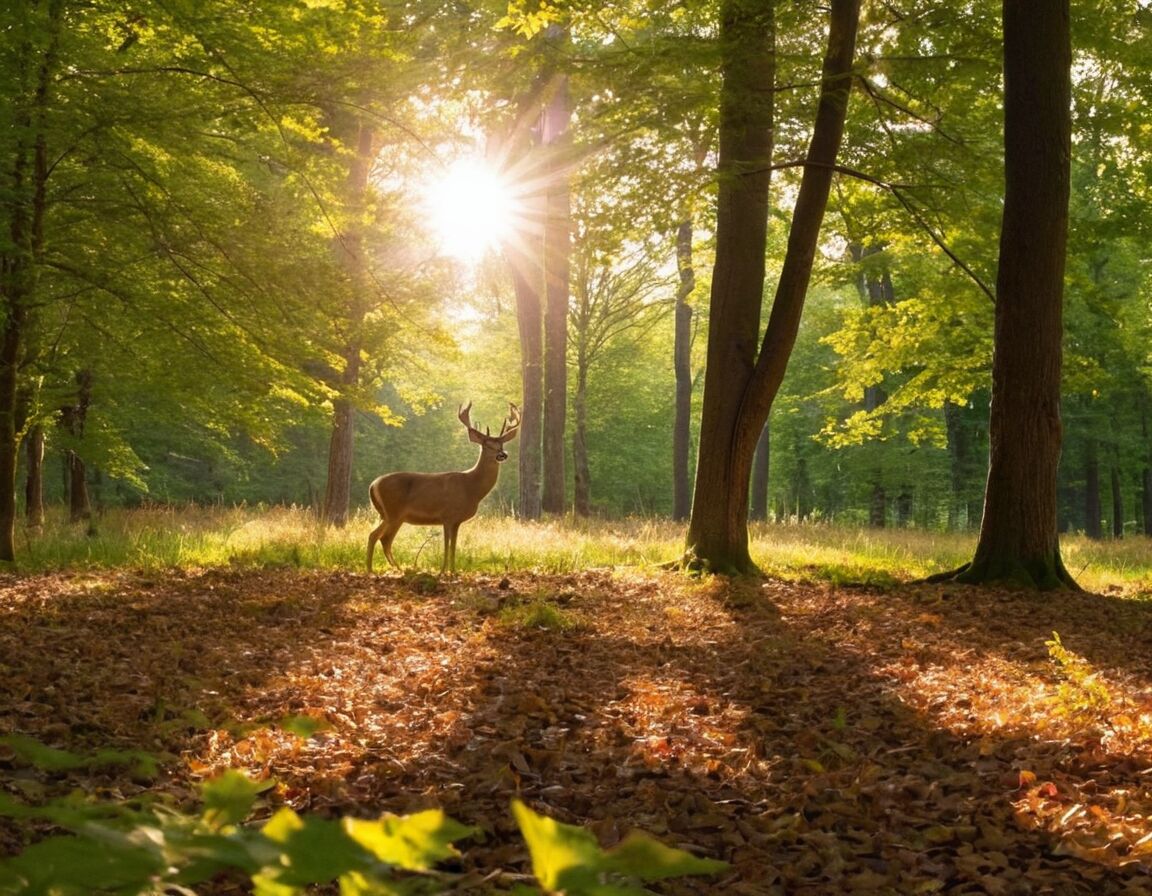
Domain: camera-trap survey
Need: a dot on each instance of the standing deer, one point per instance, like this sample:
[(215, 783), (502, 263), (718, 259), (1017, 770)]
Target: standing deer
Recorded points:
[(440, 499)]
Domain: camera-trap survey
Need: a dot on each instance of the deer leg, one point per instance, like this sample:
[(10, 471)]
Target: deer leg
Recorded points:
[(450, 530), (387, 531), (373, 538)]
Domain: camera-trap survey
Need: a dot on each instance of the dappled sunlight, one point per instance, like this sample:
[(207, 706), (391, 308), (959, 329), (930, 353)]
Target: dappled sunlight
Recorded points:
[(824, 737)]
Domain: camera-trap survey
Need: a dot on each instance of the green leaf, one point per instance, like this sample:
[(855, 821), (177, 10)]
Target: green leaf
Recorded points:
[(104, 860), (412, 842), (43, 757), (642, 856), (303, 726), (564, 857), (229, 798), (314, 850)]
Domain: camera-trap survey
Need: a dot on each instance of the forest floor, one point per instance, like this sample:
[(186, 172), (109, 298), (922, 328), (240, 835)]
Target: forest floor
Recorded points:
[(821, 739)]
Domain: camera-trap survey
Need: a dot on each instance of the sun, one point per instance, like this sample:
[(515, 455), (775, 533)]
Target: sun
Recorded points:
[(471, 209)]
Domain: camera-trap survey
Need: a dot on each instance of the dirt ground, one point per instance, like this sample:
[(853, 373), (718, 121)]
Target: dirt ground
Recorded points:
[(923, 739)]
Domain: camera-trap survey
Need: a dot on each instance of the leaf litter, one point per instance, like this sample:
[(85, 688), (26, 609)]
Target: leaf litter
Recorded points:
[(917, 739)]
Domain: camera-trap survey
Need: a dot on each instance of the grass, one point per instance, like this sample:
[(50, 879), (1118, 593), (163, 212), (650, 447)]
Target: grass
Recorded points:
[(163, 537)]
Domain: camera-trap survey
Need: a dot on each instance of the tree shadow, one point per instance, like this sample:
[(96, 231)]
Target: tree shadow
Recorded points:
[(761, 725), (765, 743)]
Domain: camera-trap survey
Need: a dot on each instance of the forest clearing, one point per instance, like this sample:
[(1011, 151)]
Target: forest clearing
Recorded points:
[(769, 330), (818, 736)]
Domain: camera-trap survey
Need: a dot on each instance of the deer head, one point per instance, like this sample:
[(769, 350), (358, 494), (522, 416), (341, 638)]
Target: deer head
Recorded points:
[(486, 440)]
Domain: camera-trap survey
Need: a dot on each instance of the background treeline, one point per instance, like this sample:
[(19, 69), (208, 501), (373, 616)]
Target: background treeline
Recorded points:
[(216, 256)]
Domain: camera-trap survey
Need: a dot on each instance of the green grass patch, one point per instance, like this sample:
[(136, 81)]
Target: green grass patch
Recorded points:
[(159, 538)]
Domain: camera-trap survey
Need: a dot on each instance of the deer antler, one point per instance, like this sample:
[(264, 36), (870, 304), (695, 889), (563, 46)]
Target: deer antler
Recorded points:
[(511, 423), (465, 415)]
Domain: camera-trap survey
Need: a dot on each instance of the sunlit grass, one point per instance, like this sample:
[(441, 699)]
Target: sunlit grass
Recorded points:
[(182, 537)]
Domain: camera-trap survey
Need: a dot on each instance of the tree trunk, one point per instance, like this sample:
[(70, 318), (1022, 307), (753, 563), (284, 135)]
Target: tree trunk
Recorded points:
[(526, 281), (761, 466), (350, 249), (1117, 504), (73, 420), (682, 364), (1019, 542), (79, 504), (10, 350), (1146, 498), (717, 530), (582, 489), (1092, 512), (557, 255), (965, 463), (34, 477), (1146, 472), (740, 385), (26, 203)]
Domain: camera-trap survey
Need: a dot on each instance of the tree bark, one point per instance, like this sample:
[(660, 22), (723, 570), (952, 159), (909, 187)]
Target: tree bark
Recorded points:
[(717, 530), (1092, 512), (34, 477), (350, 249), (581, 477), (25, 187), (965, 465), (527, 278), (1146, 471), (761, 466), (1117, 503), (682, 364), (740, 385), (1019, 542), (73, 420), (557, 257)]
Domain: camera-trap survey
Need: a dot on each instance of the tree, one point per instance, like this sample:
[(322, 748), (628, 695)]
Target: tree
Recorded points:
[(1019, 542), (616, 290), (740, 384)]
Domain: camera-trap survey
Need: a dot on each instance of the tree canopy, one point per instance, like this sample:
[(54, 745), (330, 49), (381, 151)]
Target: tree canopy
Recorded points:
[(216, 219)]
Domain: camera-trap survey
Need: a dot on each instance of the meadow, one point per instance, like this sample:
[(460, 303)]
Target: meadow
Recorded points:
[(164, 537)]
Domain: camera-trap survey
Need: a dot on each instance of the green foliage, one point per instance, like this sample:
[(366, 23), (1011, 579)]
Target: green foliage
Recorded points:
[(567, 859), (1080, 693), (114, 848)]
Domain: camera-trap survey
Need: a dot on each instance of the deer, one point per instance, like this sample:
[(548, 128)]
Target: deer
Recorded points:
[(440, 499)]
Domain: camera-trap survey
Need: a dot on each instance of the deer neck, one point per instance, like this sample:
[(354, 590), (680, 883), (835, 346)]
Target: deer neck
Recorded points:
[(484, 472)]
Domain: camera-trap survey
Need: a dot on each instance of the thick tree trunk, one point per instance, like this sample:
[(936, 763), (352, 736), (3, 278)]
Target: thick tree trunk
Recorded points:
[(740, 385), (682, 364), (557, 255), (717, 531), (1019, 542)]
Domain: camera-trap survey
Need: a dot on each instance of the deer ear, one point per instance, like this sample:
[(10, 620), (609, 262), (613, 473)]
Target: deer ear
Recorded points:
[(474, 435), (508, 437)]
